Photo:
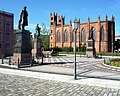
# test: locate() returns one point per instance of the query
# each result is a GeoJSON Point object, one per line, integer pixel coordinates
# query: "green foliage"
{"type": "Point", "coordinates": [108, 54]}
{"type": "Point", "coordinates": [48, 49]}
{"type": "Point", "coordinates": [67, 49]}
{"type": "Point", "coordinates": [57, 49]}
{"type": "Point", "coordinates": [117, 64]}
{"type": "Point", "coordinates": [113, 62]}
{"type": "Point", "coordinates": [45, 36]}
{"type": "Point", "coordinates": [79, 53]}
{"type": "Point", "coordinates": [83, 48]}
{"type": "Point", "coordinates": [44, 30]}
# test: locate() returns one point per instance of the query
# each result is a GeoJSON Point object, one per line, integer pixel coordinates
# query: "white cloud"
{"type": "Point", "coordinates": [31, 27]}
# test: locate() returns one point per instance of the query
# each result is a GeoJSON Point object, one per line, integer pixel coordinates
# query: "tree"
{"type": "Point", "coordinates": [44, 36]}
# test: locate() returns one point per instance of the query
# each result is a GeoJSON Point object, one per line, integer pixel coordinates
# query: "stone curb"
{"type": "Point", "coordinates": [118, 68]}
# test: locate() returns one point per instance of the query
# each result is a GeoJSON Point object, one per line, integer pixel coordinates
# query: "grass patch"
{"type": "Point", "coordinates": [79, 53]}
{"type": "Point", "coordinates": [114, 62]}
{"type": "Point", "coordinates": [101, 53]}
{"type": "Point", "coordinates": [108, 54]}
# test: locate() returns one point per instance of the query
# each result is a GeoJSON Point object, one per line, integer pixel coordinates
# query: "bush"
{"type": "Point", "coordinates": [57, 49]}
{"type": "Point", "coordinates": [83, 48]}
{"type": "Point", "coordinates": [67, 49]}
{"type": "Point", "coordinates": [48, 49]}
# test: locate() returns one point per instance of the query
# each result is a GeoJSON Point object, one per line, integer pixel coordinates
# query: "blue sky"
{"type": "Point", "coordinates": [39, 10]}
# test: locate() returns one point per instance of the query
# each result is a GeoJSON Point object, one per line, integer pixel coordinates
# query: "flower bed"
{"type": "Point", "coordinates": [113, 62]}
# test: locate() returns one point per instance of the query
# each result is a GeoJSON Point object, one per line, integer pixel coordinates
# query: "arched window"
{"type": "Point", "coordinates": [93, 33]}
{"type": "Point", "coordinates": [66, 36]}
{"type": "Point", "coordinates": [72, 36]}
{"type": "Point", "coordinates": [58, 36]}
{"type": "Point", "coordinates": [83, 36]}
{"type": "Point", "coordinates": [102, 34]}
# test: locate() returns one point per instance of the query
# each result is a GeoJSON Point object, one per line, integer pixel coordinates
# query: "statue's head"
{"type": "Point", "coordinates": [37, 24]}
{"type": "Point", "coordinates": [25, 7]}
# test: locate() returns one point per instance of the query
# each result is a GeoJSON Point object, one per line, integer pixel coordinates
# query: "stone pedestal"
{"type": "Point", "coordinates": [90, 50]}
{"type": "Point", "coordinates": [22, 49]}
{"type": "Point", "coordinates": [36, 51]}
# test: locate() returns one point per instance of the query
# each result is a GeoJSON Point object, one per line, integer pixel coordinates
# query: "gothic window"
{"type": "Point", "coordinates": [51, 18]}
{"type": "Point", "coordinates": [83, 36]}
{"type": "Point", "coordinates": [66, 36]}
{"type": "Point", "coordinates": [58, 36]}
{"type": "Point", "coordinates": [51, 31]}
{"type": "Point", "coordinates": [102, 34]}
{"type": "Point", "coordinates": [51, 23]}
{"type": "Point", "coordinates": [72, 36]}
{"type": "Point", "coordinates": [93, 32]}
{"type": "Point", "coordinates": [59, 20]}
{"type": "Point", "coordinates": [0, 26]}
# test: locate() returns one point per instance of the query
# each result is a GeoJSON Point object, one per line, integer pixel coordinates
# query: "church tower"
{"type": "Point", "coordinates": [53, 24]}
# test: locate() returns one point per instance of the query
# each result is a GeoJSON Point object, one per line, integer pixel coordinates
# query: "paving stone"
{"type": "Point", "coordinates": [13, 85]}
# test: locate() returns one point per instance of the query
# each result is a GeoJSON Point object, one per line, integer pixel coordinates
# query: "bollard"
{"type": "Point", "coordinates": [32, 60]}
{"type": "Point", "coordinates": [2, 60]}
{"type": "Point", "coordinates": [18, 63]}
{"type": "Point", "coordinates": [9, 61]}
{"type": "Point", "coordinates": [110, 61]}
{"type": "Point", "coordinates": [101, 56]}
{"type": "Point", "coordinates": [104, 60]}
{"type": "Point", "coordinates": [42, 58]}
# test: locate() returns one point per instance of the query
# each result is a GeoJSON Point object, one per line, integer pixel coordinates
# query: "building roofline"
{"type": "Point", "coordinates": [7, 13]}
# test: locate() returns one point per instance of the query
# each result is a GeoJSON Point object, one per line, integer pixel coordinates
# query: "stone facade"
{"type": "Point", "coordinates": [6, 33]}
{"type": "Point", "coordinates": [61, 35]}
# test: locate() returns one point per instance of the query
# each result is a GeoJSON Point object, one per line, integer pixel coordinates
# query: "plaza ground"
{"type": "Point", "coordinates": [40, 81]}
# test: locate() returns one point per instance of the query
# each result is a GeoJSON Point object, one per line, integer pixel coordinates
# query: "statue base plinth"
{"type": "Point", "coordinates": [22, 49]}
{"type": "Point", "coordinates": [36, 51]}
{"type": "Point", "coordinates": [90, 50]}
{"type": "Point", "coordinates": [22, 59]}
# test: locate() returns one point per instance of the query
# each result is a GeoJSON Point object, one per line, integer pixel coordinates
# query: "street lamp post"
{"type": "Point", "coordinates": [75, 26]}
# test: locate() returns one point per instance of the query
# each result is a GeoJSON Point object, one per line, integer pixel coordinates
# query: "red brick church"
{"type": "Point", "coordinates": [62, 35]}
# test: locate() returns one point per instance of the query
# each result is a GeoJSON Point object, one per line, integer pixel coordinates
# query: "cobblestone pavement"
{"type": "Point", "coordinates": [14, 85]}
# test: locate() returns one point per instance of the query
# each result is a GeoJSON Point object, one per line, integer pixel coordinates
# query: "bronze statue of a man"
{"type": "Point", "coordinates": [38, 30]}
{"type": "Point", "coordinates": [23, 19]}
